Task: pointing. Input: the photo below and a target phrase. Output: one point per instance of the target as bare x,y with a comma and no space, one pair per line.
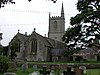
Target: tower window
55,25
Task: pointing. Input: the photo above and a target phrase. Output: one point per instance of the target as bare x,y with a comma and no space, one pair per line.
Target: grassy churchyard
93,72
31,68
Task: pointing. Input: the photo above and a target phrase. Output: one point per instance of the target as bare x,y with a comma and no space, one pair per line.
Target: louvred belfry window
55,25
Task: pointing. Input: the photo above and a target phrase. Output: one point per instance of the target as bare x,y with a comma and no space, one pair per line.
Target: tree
3,64
5,51
85,25
3,2
14,48
1,49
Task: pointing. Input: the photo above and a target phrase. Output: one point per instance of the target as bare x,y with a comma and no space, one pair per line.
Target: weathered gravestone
35,67
24,67
55,69
83,68
52,72
44,71
68,72
78,71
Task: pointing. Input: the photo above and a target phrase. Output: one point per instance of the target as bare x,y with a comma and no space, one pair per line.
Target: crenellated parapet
55,17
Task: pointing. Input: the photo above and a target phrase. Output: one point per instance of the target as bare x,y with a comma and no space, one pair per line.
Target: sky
25,16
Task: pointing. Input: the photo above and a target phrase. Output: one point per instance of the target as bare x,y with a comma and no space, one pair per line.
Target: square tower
57,26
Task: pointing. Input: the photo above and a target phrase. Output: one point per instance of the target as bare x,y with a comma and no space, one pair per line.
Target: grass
31,70
89,72
93,72
28,71
66,62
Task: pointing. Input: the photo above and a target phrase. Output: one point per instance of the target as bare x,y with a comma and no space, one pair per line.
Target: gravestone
83,68
44,72
52,72
35,67
78,71
68,72
9,73
24,67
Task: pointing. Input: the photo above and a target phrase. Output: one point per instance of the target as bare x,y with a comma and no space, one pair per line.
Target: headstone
24,67
83,68
35,67
57,70
44,72
78,71
9,73
52,72
68,72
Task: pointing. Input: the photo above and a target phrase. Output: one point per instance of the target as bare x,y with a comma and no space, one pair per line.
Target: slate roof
43,39
19,35
58,52
86,52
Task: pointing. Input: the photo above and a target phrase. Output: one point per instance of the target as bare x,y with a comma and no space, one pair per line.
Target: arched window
15,45
34,46
18,46
55,25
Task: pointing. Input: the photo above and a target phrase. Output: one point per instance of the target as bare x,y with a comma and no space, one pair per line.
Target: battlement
56,17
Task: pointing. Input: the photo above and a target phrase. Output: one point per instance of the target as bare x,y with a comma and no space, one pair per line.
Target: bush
3,64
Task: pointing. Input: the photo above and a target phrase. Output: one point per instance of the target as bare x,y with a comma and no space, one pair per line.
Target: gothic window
55,25
34,46
15,45
18,46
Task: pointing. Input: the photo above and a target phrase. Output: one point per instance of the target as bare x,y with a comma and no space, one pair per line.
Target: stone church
36,47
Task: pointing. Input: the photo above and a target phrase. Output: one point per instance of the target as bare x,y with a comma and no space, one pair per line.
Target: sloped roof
19,35
43,39
58,52
56,44
86,52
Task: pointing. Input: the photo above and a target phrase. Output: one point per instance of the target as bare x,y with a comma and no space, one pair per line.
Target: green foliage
93,72
3,64
3,2
5,51
71,51
14,48
27,72
85,25
72,35
1,50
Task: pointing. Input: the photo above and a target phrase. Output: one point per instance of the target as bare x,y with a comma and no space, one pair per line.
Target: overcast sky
26,16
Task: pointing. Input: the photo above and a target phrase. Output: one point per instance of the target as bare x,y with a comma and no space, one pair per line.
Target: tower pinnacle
49,15
62,11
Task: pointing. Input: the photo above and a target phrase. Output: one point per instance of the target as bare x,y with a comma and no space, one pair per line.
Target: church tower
57,26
